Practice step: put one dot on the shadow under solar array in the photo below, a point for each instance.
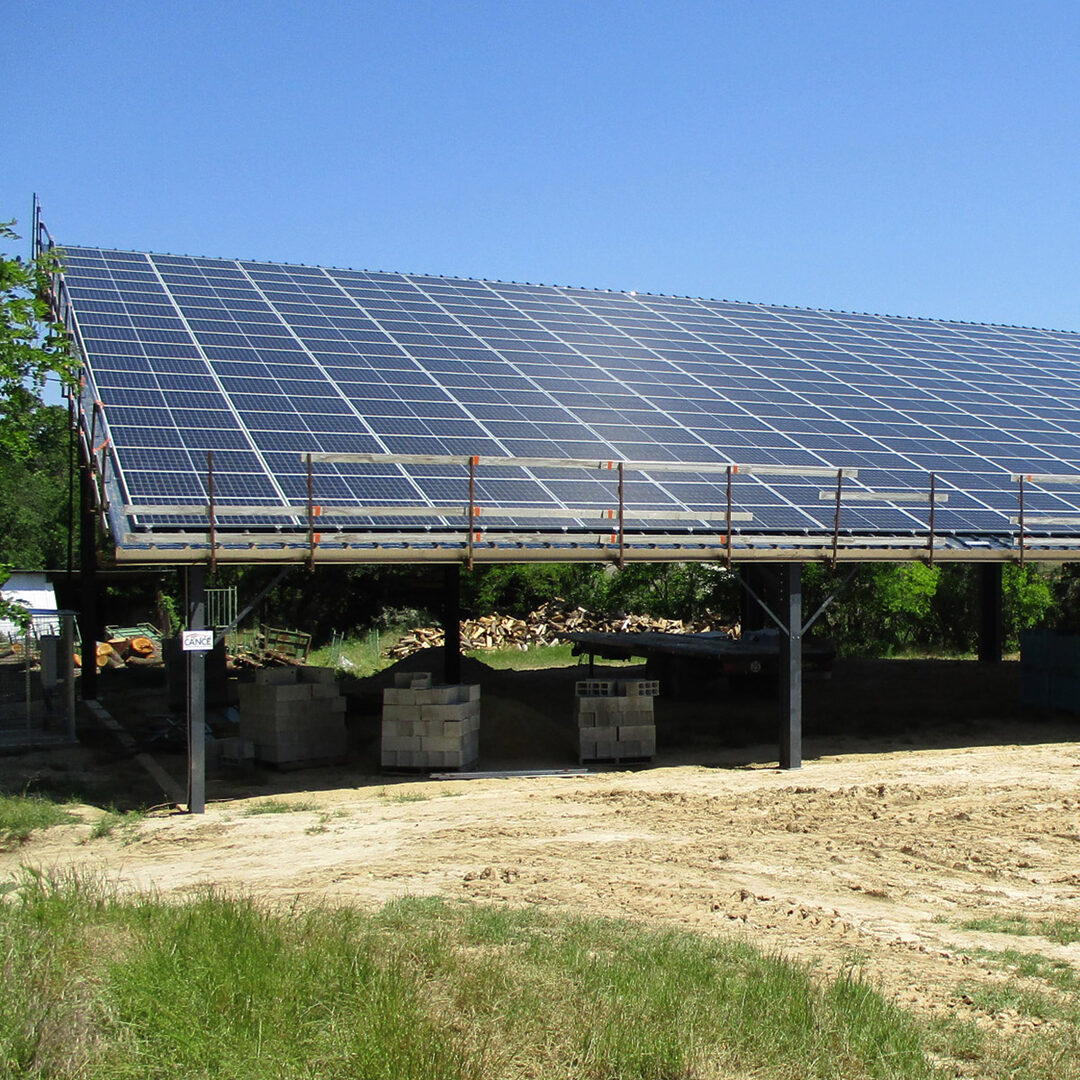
(264, 363)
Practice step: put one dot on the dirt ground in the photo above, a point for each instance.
(927, 798)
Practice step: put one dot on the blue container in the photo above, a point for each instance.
(1034, 688)
(1065, 692)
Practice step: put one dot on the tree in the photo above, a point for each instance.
(32, 345)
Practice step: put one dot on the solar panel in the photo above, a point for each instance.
(262, 364)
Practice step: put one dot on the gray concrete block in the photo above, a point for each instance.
(401, 712)
(401, 742)
(325, 676)
(412, 680)
(276, 676)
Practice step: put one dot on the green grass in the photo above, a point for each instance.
(1057, 973)
(124, 824)
(1061, 931)
(20, 815)
(365, 657)
(278, 806)
(403, 796)
(98, 986)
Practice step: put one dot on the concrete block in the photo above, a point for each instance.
(412, 680)
(628, 732)
(439, 743)
(285, 692)
(594, 688)
(235, 748)
(309, 673)
(442, 713)
(459, 728)
(401, 742)
(457, 759)
(639, 687)
(275, 676)
(443, 695)
(598, 748)
(401, 727)
(401, 712)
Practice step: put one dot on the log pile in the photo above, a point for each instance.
(547, 625)
(257, 656)
(135, 650)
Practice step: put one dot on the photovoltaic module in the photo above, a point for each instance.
(432, 407)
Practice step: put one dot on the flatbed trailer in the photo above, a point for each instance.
(675, 658)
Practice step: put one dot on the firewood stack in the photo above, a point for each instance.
(547, 625)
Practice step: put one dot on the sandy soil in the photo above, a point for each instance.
(873, 854)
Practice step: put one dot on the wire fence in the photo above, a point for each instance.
(37, 682)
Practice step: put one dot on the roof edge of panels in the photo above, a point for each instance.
(583, 288)
(773, 548)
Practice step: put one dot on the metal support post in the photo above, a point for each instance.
(196, 620)
(451, 620)
(991, 628)
(88, 585)
(67, 669)
(791, 667)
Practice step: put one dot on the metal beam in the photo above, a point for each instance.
(791, 667)
(196, 620)
(88, 584)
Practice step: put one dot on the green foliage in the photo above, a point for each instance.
(1027, 600)
(32, 345)
(34, 495)
(890, 608)
(1066, 593)
(668, 590)
(517, 590)
(344, 599)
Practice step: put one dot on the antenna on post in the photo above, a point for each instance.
(35, 220)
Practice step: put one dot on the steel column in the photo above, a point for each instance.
(791, 666)
(991, 627)
(196, 620)
(88, 584)
(67, 669)
(451, 620)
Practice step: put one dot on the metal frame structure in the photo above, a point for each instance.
(200, 535)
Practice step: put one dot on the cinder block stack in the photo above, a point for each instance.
(615, 719)
(429, 727)
(295, 716)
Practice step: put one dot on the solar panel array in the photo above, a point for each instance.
(263, 363)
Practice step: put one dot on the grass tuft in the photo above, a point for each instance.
(278, 806)
(1061, 931)
(20, 815)
(124, 824)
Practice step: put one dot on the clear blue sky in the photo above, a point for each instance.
(911, 158)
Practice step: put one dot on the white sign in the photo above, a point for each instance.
(197, 640)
